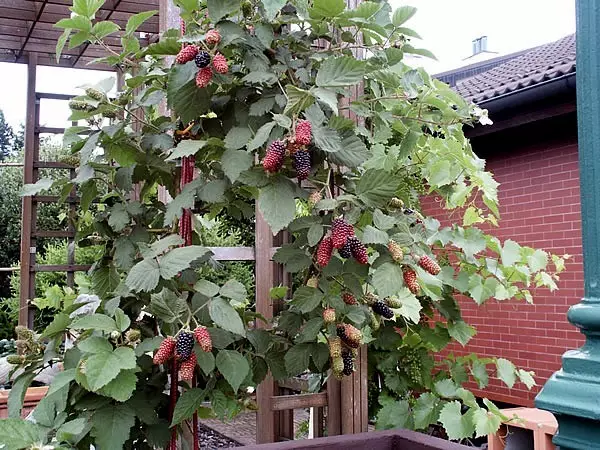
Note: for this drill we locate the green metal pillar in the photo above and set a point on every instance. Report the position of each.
(573, 393)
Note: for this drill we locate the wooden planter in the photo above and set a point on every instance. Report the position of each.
(32, 398)
(379, 440)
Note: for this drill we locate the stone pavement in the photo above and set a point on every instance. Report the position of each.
(243, 427)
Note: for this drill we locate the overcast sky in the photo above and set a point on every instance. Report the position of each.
(446, 26)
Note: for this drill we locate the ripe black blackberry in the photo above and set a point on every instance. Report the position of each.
(382, 309)
(202, 59)
(301, 161)
(348, 363)
(345, 252)
(184, 346)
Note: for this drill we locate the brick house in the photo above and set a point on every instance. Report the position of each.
(532, 151)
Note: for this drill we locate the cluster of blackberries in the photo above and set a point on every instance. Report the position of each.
(182, 347)
(343, 239)
(203, 59)
(348, 359)
(295, 146)
(382, 309)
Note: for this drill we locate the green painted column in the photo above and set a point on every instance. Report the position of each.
(573, 393)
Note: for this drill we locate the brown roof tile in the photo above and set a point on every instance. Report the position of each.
(527, 69)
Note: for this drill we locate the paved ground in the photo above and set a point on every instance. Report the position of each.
(243, 428)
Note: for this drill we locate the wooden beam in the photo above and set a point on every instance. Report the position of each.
(27, 215)
(285, 402)
(60, 268)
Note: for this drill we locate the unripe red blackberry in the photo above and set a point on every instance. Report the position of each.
(274, 158)
(202, 59)
(340, 232)
(349, 299)
(427, 263)
(348, 363)
(314, 198)
(185, 345)
(165, 350)
(186, 54)
(383, 310)
(212, 37)
(329, 315)
(324, 251)
(335, 347)
(345, 252)
(303, 133)
(358, 249)
(203, 77)
(395, 250)
(301, 162)
(187, 368)
(410, 279)
(349, 334)
(220, 63)
(203, 338)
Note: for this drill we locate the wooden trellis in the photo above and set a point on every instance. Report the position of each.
(343, 403)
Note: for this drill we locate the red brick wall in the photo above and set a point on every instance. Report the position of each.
(539, 199)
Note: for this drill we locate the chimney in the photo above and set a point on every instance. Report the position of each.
(479, 45)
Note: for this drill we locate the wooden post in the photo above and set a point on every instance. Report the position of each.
(265, 417)
(28, 214)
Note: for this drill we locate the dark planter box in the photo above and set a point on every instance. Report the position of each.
(379, 440)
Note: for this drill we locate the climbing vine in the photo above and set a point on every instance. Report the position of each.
(307, 109)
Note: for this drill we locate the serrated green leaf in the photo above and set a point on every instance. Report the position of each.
(327, 8)
(306, 299)
(387, 279)
(95, 344)
(213, 191)
(310, 330)
(426, 410)
(526, 378)
(372, 235)
(326, 138)
(353, 152)
(18, 433)
(261, 136)
(187, 147)
(538, 261)
(461, 331)
(314, 235)
(183, 96)
(297, 100)
(167, 306)
(233, 366)
(376, 187)
(393, 414)
(486, 422)
(341, 71)
(506, 371)
(122, 387)
(327, 97)
(276, 202)
(283, 121)
(206, 288)
(58, 325)
(234, 290)
(148, 345)
(258, 77)
(184, 200)
(206, 360)
(69, 431)
(237, 137)
(402, 14)
(111, 426)
(217, 9)
(179, 259)
(479, 372)
(104, 28)
(272, 7)
(136, 20)
(510, 253)
(95, 322)
(17, 394)
(457, 425)
(102, 368)
(235, 162)
(60, 43)
(224, 316)
(297, 359)
(42, 184)
(189, 402)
